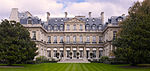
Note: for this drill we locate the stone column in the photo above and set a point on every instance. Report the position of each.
(71, 50)
(84, 52)
(64, 53)
(97, 53)
(52, 55)
(78, 51)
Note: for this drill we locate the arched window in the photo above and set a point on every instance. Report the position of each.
(55, 28)
(93, 27)
(29, 21)
(119, 19)
(87, 27)
(49, 28)
(61, 27)
(100, 27)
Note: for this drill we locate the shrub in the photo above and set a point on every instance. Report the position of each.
(42, 59)
(104, 59)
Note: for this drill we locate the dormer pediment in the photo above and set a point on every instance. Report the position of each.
(73, 20)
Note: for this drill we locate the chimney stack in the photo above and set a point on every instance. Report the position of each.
(14, 15)
(90, 14)
(48, 16)
(102, 17)
(66, 14)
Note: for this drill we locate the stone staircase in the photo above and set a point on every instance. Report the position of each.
(74, 61)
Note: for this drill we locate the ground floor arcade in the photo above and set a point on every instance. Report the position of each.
(75, 52)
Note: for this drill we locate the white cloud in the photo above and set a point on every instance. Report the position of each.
(40, 7)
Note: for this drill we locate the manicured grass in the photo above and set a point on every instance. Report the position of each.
(73, 67)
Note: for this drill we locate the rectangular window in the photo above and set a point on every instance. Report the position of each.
(100, 39)
(81, 27)
(68, 27)
(94, 39)
(61, 39)
(114, 35)
(87, 39)
(55, 39)
(68, 39)
(33, 35)
(74, 39)
(74, 27)
(81, 39)
(49, 39)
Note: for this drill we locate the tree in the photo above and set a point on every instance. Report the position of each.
(134, 37)
(15, 44)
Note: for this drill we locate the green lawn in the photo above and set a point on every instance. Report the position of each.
(73, 67)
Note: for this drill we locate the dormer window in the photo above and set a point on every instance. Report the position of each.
(61, 27)
(55, 19)
(93, 20)
(119, 19)
(62, 20)
(100, 27)
(87, 20)
(49, 27)
(87, 27)
(29, 21)
(55, 28)
(94, 27)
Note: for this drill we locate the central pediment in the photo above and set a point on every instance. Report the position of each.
(75, 20)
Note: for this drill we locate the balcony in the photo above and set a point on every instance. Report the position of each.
(48, 42)
(87, 42)
(55, 42)
(94, 42)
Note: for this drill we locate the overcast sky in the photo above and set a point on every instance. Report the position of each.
(73, 7)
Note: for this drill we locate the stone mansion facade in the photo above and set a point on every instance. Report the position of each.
(78, 37)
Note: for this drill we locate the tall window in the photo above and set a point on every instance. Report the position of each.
(74, 39)
(55, 28)
(33, 35)
(68, 39)
(81, 39)
(55, 53)
(94, 39)
(88, 39)
(55, 39)
(100, 27)
(100, 39)
(49, 27)
(29, 21)
(61, 27)
(68, 27)
(114, 35)
(81, 27)
(94, 27)
(87, 27)
(74, 27)
(61, 39)
(94, 53)
(49, 39)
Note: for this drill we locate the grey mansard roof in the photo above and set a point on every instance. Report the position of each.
(35, 20)
(60, 21)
